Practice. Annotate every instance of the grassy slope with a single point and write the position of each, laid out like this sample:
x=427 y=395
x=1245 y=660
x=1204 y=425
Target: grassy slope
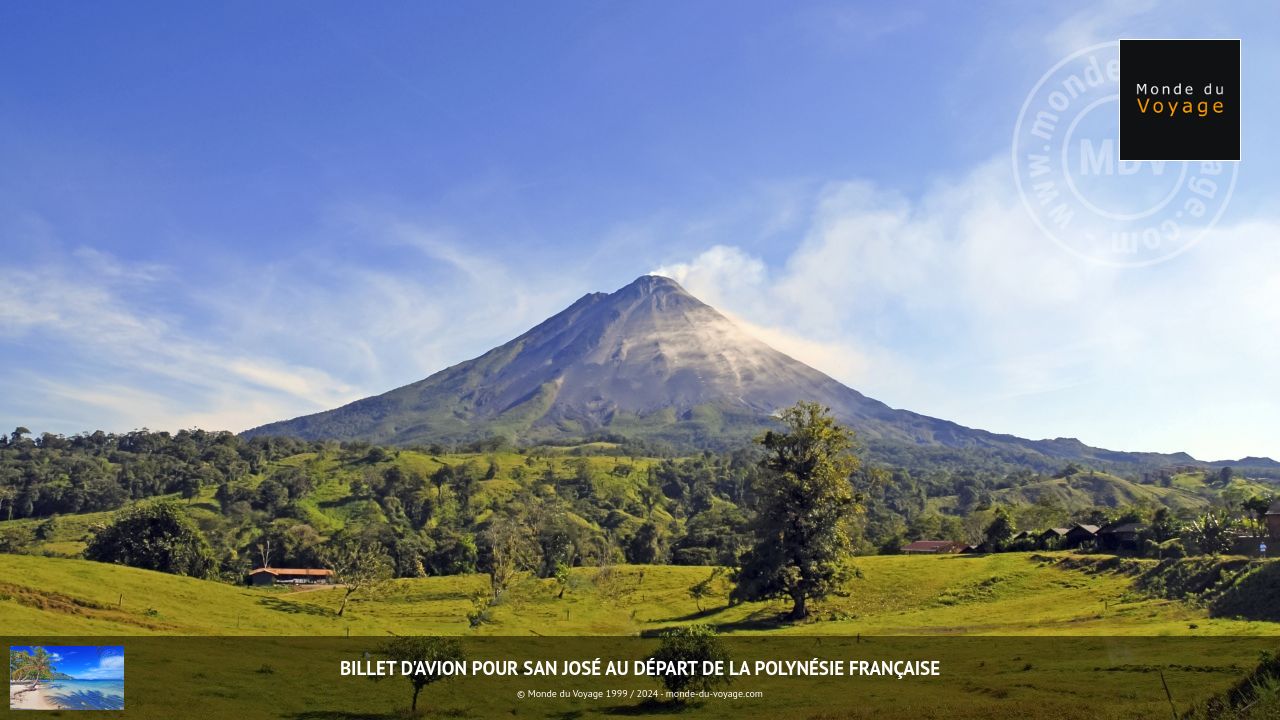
x=1087 y=489
x=1011 y=594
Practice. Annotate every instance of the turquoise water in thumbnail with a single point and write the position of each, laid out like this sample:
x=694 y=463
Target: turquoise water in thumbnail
x=87 y=694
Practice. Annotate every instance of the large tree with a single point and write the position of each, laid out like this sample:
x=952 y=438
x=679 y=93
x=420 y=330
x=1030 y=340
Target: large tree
x=805 y=504
x=153 y=536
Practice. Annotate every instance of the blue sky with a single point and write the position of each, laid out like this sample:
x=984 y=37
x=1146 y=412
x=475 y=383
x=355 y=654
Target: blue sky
x=226 y=215
x=84 y=662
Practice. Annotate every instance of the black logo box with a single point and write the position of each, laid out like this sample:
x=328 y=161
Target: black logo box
x=1155 y=74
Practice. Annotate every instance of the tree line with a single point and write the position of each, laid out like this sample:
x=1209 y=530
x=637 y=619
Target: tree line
x=558 y=513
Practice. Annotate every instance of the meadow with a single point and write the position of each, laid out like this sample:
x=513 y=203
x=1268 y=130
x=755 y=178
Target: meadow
x=1002 y=594
x=1017 y=634
x=1034 y=634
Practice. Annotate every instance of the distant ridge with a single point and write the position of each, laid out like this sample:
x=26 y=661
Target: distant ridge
x=650 y=361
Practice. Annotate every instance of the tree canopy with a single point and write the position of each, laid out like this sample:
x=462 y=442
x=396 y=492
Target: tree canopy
x=154 y=536
x=428 y=655
x=806 y=501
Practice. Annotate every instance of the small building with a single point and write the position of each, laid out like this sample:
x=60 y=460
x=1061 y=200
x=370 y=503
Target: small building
x=1124 y=536
x=1052 y=538
x=934 y=547
x=290 y=576
x=1079 y=535
x=1273 y=520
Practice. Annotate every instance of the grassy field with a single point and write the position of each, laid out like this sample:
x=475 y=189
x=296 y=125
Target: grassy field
x=1047 y=635
x=1007 y=594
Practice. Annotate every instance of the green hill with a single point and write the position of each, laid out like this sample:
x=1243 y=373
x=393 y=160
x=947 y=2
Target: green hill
x=1087 y=489
x=334 y=501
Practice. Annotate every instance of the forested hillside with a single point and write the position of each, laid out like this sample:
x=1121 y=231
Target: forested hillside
x=441 y=511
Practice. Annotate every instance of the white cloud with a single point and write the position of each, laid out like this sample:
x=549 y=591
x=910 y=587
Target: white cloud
x=110 y=667
x=117 y=345
x=952 y=304
x=94 y=312
x=956 y=305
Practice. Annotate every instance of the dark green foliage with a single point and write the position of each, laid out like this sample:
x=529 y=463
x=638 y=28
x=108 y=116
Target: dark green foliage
x=1164 y=526
x=1252 y=595
x=1211 y=533
x=452 y=552
x=698 y=510
x=292 y=544
x=716 y=536
x=806 y=501
x=649 y=545
x=1198 y=578
x=1256 y=509
x=153 y=536
x=697 y=643
x=99 y=471
x=998 y=534
x=421 y=650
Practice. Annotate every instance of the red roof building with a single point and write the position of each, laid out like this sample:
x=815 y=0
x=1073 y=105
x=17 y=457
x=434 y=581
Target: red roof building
x=290 y=576
x=934 y=547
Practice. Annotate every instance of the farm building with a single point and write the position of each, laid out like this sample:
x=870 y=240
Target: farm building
x=1079 y=535
x=1123 y=536
x=934 y=547
x=1273 y=520
x=1052 y=538
x=290 y=576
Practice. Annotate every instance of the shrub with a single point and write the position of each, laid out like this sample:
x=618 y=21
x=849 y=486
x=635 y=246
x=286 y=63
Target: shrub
x=696 y=643
x=153 y=536
x=1174 y=548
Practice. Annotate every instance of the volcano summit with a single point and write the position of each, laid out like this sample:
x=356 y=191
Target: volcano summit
x=649 y=361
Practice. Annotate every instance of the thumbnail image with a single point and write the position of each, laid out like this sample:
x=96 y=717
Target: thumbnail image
x=66 y=677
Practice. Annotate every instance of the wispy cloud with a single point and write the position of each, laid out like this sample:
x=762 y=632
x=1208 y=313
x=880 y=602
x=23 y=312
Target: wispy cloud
x=118 y=345
x=110 y=667
x=957 y=305
x=89 y=319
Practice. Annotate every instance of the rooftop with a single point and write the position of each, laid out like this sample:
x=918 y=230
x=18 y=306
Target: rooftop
x=1124 y=528
x=930 y=544
x=293 y=571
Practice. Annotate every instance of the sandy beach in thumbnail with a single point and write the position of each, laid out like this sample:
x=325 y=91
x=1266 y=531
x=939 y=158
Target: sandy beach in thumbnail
x=21 y=697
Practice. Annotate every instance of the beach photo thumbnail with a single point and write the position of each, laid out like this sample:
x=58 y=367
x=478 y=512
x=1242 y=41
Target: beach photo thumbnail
x=66 y=677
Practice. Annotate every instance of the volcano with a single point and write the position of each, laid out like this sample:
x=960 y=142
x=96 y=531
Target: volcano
x=651 y=362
